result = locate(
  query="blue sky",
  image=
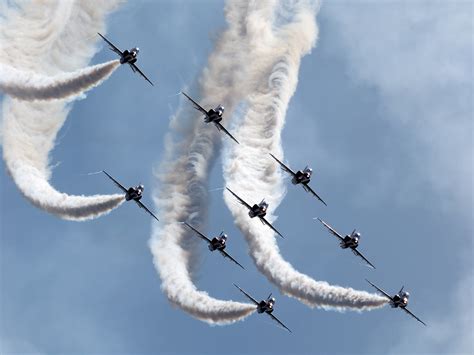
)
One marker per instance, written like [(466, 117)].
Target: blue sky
[(384, 110)]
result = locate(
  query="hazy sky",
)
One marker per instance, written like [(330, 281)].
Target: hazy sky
[(383, 113)]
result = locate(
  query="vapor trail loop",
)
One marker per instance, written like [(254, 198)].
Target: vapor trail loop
[(50, 39), (249, 171)]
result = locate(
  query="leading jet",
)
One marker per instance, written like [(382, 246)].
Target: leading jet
[(132, 193), (216, 243), (128, 56), (349, 241), (400, 300), (213, 115), (259, 211), (265, 306), (302, 177)]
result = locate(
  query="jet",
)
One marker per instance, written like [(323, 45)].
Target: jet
[(128, 56), (213, 115), (265, 306), (399, 300), (302, 177), (132, 193), (349, 241), (259, 211), (216, 243)]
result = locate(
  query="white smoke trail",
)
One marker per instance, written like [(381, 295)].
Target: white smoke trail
[(189, 155), (31, 86), (251, 173), (48, 38)]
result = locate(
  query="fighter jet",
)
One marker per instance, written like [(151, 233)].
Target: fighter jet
[(349, 241), (265, 306), (259, 211), (302, 177), (132, 193), (128, 56), (399, 300), (216, 243), (213, 115)]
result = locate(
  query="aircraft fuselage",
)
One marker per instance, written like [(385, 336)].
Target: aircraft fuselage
[(400, 300), (350, 241), (258, 210), (214, 115), (129, 56), (134, 193), (302, 177), (265, 306), (218, 243)]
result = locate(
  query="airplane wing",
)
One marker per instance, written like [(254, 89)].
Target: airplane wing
[(115, 182), (358, 253), (309, 189), (247, 295), (112, 47), (136, 69), (196, 105), (331, 230), (141, 205), (283, 166), (226, 255), (202, 236), (411, 314), (222, 128), (279, 322), (240, 200), (380, 290), (270, 225)]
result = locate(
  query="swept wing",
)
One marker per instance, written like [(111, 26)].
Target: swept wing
[(202, 236), (136, 69), (264, 221), (120, 186), (283, 166), (358, 253), (411, 314), (240, 200), (112, 47), (141, 205), (309, 189), (226, 255), (332, 230), (196, 105), (279, 322), (247, 295), (380, 290), (222, 128)]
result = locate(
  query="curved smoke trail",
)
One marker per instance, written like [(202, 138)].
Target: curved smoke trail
[(47, 38), (30, 86), (250, 172), (189, 156)]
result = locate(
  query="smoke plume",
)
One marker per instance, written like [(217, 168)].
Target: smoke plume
[(30, 86), (48, 38)]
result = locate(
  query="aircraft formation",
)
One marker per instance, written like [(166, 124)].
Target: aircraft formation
[(219, 242)]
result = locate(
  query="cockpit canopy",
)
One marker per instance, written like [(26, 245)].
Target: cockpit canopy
[(224, 237), (220, 110)]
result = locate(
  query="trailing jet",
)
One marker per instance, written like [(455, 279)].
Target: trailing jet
[(132, 193), (213, 115), (302, 177), (259, 211), (128, 56), (349, 241), (399, 300), (216, 243), (265, 306)]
